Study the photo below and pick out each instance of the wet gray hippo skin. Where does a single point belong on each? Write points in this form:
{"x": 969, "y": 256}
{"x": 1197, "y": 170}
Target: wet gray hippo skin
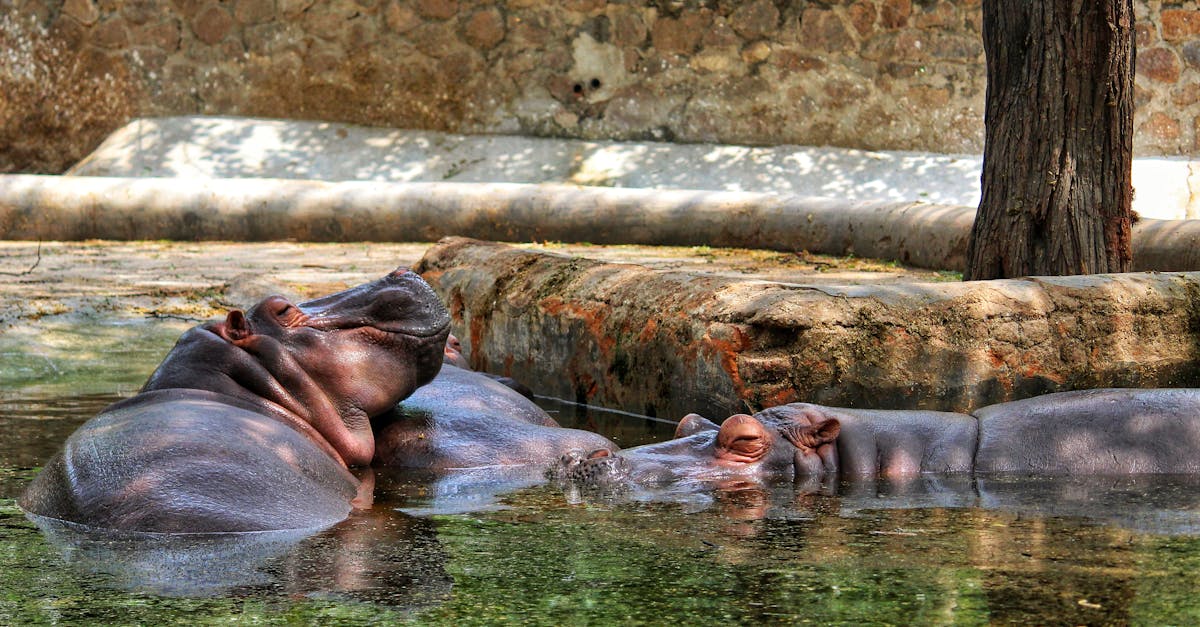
{"x": 466, "y": 419}
{"x": 250, "y": 423}
{"x": 1094, "y": 432}
{"x": 454, "y": 357}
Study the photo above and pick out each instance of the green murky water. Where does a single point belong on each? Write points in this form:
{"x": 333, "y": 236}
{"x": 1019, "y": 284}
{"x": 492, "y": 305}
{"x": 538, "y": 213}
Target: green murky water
{"x": 449, "y": 550}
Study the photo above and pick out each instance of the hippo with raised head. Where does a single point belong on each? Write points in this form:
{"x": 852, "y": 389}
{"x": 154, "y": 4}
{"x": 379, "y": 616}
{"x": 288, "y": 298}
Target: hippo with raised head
{"x": 1087, "y": 432}
{"x": 251, "y": 423}
{"x": 468, "y": 419}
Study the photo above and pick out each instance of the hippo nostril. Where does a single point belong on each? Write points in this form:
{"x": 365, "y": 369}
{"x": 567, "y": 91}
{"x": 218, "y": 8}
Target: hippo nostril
{"x": 399, "y": 272}
{"x": 599, "y": 453}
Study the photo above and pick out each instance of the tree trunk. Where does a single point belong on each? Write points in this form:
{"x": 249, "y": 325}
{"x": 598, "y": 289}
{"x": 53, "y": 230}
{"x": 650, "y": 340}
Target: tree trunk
{"x": 1059, "y": 139}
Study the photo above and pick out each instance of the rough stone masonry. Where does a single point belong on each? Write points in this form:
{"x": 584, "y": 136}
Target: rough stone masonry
{"x": 874, "y": 74}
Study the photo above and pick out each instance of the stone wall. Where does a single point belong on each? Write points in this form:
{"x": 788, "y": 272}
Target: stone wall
{"x": 667, "y": 343}
{"x": 897, "y": 74}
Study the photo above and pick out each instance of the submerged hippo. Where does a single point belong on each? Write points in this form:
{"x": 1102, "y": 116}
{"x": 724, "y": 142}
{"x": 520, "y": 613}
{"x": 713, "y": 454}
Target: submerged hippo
{"x": 1087, "y": 432}
{"x": 250, "y": 423}
{"x": 743, "y": 446}
{"x": 467, "y": 419}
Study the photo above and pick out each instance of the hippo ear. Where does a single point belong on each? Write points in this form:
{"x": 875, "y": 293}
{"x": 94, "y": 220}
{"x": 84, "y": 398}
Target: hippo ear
{"x": 236, "y": 327}
{"x": 812, "y": 436}
{"x": 828, "y": 431}
{"x": 694, "y": 423}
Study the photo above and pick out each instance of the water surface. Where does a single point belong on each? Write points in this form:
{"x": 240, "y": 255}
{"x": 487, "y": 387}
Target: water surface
{"x": 445, "y": 549}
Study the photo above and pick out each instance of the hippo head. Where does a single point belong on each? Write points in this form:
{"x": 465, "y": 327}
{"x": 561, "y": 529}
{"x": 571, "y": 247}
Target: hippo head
{"x": 333, "y": 362}
{"x": 759, "y": 446}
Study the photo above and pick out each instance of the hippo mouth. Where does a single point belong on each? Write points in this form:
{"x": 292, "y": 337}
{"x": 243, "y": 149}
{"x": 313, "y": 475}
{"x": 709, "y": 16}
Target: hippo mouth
{"x": 401, "y": 303}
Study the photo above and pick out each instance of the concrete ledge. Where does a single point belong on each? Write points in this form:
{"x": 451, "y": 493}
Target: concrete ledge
{"x": 669, "y": 343}
{"x": 233, "y": 147}
{"x": 929, "y": 236}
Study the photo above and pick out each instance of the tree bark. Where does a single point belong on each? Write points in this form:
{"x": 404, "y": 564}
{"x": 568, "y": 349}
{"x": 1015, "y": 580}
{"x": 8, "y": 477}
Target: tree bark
{"x": 1058, "y": 147}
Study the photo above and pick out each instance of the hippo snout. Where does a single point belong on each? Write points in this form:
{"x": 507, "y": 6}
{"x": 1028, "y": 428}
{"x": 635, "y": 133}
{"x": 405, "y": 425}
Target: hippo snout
{"x": 400, "y": 302}
{"x": 598, "y": 469}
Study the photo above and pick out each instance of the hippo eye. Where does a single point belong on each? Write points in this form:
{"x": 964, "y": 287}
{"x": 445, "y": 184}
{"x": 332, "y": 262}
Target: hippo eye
{"x": 287, "y": 313}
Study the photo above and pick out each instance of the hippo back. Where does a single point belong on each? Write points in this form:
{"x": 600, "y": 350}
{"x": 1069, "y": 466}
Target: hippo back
{"x": 189, "y": 461}
{"x": 1107, "y": 431}
{"x": 464, "y": 419}
{"x": 898, "y": 443}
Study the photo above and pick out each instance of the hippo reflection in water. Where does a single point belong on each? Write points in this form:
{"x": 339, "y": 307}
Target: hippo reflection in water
{"x": 1088, "y": 432}
{"x": 251, "y": 423}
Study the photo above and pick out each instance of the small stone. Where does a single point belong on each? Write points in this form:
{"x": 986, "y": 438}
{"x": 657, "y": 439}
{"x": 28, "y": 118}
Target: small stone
{"x": 628, "y": 29}
{"x": 796, "y": 61}
{"x": 714, "y": 61}
{"x": 141, "y": 11}
{"x": 843, "y": 93}
{"x": 756, "y": 52}
{"x": 434, "y": 39}
{"x": 69, "y": 33}
{"x": 324, "y": 61}
{"x": 680, "y": 36}
{"x": 82, "y": 11}
{"x": 111, "y": 34}
{"x": 1158, "y": 64}
{"x": 1141, "y": 96}
{"x": 1191, "y": 53}
{"x": 485, "y": 29}
{"x": 755, "y": 19}
{"x": 1161, "y": 127}
{"x": 212, "y": 25}
{"x": 162, "y": 35}
{"x": 293, "y": 8}
{"x": 146, "y": 58}
{"x": 566, "y": 119}
{"x": 190, "y": 8}
{"x": 327, "y": 24}
{"x": 942, "y": 15}
{"x": 926, "y": 98}
{"x": 253, "y": 11}
{"x": 1145, "y": 34}
{"x": 862, "y": 16}
{"x": 437, "y": 9}
{"x": 400, "y": 19}
{"x": 1186, "y": 95}
{"x": 895, "y": 13}
{"x": 720, "y": 35}
{"x": 824, "y": 30}
{"x": 1180, "y": 24}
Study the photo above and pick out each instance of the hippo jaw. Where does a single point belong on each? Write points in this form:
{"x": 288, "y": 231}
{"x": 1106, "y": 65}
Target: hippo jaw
{"x": 742, "y": 446}
{"x": 400, "y": 303}
{"x": 334, "y": 362}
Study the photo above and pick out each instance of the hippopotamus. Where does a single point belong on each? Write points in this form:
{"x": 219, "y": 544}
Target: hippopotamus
{"x": 763, "y": 445}
{"x": 1086, "y": 432}
{"x": 252, "y": 423}
{"x": 468, "y": 419}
